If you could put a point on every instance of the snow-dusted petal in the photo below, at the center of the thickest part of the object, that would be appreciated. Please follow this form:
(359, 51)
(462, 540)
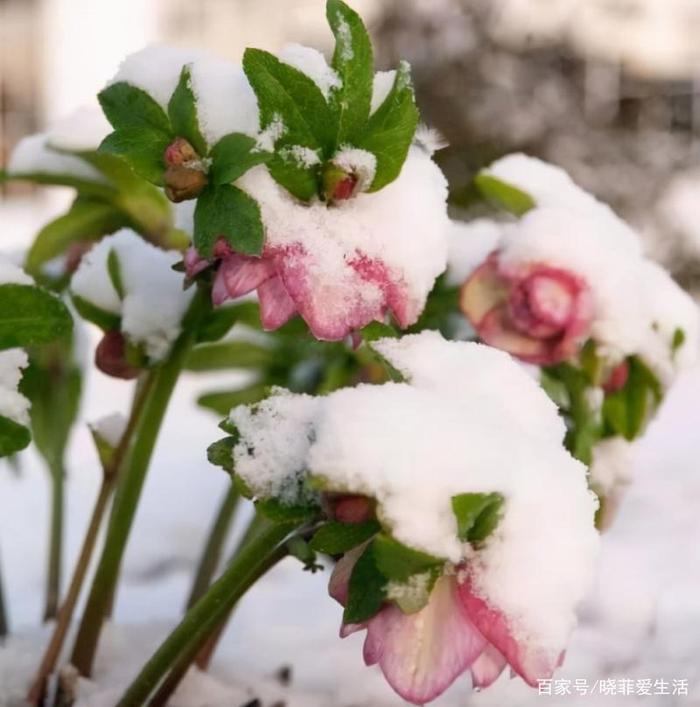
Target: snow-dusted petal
(243, 274)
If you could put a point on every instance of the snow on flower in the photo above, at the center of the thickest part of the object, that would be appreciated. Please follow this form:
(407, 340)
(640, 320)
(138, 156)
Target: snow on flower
(568, 270)
(13, 404)
(467, 419)
(148, 296)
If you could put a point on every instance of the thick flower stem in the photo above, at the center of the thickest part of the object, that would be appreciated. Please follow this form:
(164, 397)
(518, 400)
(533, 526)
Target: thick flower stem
(208, 612)
(55, 558)
(211, 556)
(4, 627)
(129, 489)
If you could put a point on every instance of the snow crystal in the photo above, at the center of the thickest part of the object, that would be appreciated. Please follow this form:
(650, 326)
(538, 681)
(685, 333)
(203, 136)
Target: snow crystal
(225, 101)
(110, 428)
(81, 131)
(359, 162)
(272, 133)
(430, 139)
(33, 155)
(403, 225)
(468, 419)
(154, 301)
(638, 307)
(304, 157)
(344, 38)
(312, 63)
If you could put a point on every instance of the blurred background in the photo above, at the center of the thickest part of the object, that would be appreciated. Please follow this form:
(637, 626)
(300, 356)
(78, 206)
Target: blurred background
(609, 89)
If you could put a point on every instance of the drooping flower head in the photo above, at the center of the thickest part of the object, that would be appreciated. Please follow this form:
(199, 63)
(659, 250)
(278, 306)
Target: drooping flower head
(432, 486)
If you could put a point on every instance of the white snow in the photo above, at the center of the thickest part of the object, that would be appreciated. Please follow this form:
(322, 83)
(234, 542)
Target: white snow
(225, 101)
(613, 462)
(33, 155)
(304, 157)
(312, 63)
(638, 307)
(468, 419)
(110, 428)
(470, 244)
(404, 225)
(358, 162)
(383, 83)
(154, 301)
(81, 131)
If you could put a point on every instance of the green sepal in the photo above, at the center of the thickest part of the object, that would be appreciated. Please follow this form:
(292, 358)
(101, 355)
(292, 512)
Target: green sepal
(336, 538)
(220, 453)
(477, 515)
(503, 195)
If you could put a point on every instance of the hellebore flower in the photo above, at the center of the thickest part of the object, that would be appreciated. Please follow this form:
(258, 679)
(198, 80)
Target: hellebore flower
(538, 313)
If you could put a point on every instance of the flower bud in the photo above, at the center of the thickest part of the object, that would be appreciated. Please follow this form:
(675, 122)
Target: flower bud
(110, 356)
(617, 378)
(338, 185)
(185, 176)
(179, 152)
(348, 508)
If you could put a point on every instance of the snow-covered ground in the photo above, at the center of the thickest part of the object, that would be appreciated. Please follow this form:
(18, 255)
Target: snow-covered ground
(642, 623)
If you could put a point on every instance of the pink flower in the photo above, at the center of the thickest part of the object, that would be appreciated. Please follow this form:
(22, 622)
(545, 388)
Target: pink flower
(289, 281)
(422, 654)
(539, 313)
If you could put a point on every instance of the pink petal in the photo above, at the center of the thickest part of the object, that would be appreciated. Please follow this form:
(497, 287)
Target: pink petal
(276, 306)
(422, 654)
(496, 329)
(488, 666)
(242, 274)
(194, 264)
(219, 291)
(484, 290)
(530, 662)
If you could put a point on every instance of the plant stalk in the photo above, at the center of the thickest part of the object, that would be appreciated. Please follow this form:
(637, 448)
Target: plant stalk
(130, 486)
(208, 612)
(4, 626)
(55, 559)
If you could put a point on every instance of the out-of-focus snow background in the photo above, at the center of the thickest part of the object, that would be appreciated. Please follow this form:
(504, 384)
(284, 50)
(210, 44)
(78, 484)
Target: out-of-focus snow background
(610, 90)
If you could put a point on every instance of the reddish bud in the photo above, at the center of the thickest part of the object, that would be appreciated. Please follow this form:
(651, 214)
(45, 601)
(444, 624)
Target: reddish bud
(350, 509)
(338, 185)
(110, 357)
(182, 183)
(617, 378)
(179, 153)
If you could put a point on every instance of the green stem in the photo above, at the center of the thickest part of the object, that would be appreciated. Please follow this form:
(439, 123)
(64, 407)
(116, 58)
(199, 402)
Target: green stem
(211, 556)
(53, 575)
(4, 627)
(208, 612)
(129, 489)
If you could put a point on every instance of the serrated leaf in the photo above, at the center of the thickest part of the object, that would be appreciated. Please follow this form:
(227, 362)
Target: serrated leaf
(182, 110)
(286, 94)
(13, 436)
(30, 315)
(142, 148)
(220, 453)
(222, 402)
(335, 538)
(233, 156)
(503, 195)
(107, 321)
(398, 562)
(228, 212)
(366, 589)
(114, 270)
(389, 132)
(298, 181)
(86, 220)
(354, 64)
(477, 515)
(127, 106)
(229, 354)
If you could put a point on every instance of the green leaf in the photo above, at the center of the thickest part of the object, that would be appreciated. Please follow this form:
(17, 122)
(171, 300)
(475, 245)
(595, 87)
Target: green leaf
(286, 94)
(182, 110)
(302, 183)
(335, 538)
(84, 186)
(229, 354)
(233, 156)
(280, 512)
(30, 315)
(378, 330)
(107, 321)
(127, 106)
(142, 148)
(13, 436)
(354, 64)
(390, 129)
(228, 212)
(477, 515)
(114, 271)
(218, 323)
(222, 402)
(398, 562)
(86, 220)
(220, 453)
(678, 339)
(503, 195)
(366, 589)
(555, 389)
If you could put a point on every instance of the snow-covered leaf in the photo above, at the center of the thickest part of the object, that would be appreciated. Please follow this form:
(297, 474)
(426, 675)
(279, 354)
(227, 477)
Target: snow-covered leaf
(13, 436)
(30, 315)
(503, 195)
(299, 181)
(182, 110)
(220, 453)
(353, 62)
(233, 156)
(142, 147)
(390, 129)
(127, 106)
(477, 515)
(227, 212)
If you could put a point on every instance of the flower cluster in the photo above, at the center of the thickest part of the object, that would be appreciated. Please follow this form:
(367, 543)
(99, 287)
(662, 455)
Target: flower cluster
(430, 485)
